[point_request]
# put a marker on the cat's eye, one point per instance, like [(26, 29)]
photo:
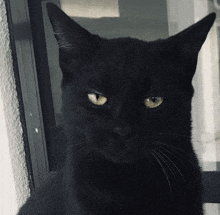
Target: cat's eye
[(97, 99), (153, 102)]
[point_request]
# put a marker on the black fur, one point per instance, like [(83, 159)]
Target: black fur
[(124, 158)]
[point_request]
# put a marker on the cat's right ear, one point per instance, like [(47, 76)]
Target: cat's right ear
[(71, 37)]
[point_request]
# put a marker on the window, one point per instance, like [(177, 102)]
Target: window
[(36, 54)]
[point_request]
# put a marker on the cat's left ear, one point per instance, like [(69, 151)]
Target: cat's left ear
[(71, 37), (191, 39)]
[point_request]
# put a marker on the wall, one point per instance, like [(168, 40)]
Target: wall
[(13, 181)]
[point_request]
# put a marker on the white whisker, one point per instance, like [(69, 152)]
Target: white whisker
[(175, 152), (163, 169), (172, 163), (158, 153)]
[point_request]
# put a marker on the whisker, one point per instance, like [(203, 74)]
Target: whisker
[(172, 163), (169, 146), (191, 138), (163, 169), (177, 151), (164, 161), (174, 134)]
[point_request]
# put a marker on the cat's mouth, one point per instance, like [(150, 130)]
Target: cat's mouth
[(122, 149), (126, 155), (123, 158)]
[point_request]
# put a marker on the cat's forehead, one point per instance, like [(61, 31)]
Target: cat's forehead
[(129, 50), (123, 63)]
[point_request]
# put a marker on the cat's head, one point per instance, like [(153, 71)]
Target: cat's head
[(125, 97)]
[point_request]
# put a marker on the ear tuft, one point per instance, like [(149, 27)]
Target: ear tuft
[(70, 36), (60, 23)]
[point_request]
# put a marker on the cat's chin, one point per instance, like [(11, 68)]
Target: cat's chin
[(117, 152)]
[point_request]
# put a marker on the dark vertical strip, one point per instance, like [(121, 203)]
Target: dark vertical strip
[(211, 184), (39, 42), (20, 98)]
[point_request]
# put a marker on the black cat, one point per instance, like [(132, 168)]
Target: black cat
[(127, 111)]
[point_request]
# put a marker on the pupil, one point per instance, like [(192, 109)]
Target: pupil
[(154, 99), (97, 96)]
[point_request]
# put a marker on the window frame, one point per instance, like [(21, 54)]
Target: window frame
[(25, 69)]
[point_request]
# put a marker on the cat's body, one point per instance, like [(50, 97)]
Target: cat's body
[(127, 111)]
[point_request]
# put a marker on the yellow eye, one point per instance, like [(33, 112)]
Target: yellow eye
[(153, 102), (97, 99)]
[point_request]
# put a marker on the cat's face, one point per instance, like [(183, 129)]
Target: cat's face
[(123, 98)]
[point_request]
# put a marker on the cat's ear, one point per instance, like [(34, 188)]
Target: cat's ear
[(187, 44), (191, 39), (71, 37)]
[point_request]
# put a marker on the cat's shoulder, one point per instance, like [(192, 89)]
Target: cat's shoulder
[(48, 199)]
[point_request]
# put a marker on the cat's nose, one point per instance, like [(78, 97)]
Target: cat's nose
[(122, 131)]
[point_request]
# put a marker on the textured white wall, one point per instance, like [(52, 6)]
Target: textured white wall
[(13, 180)]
